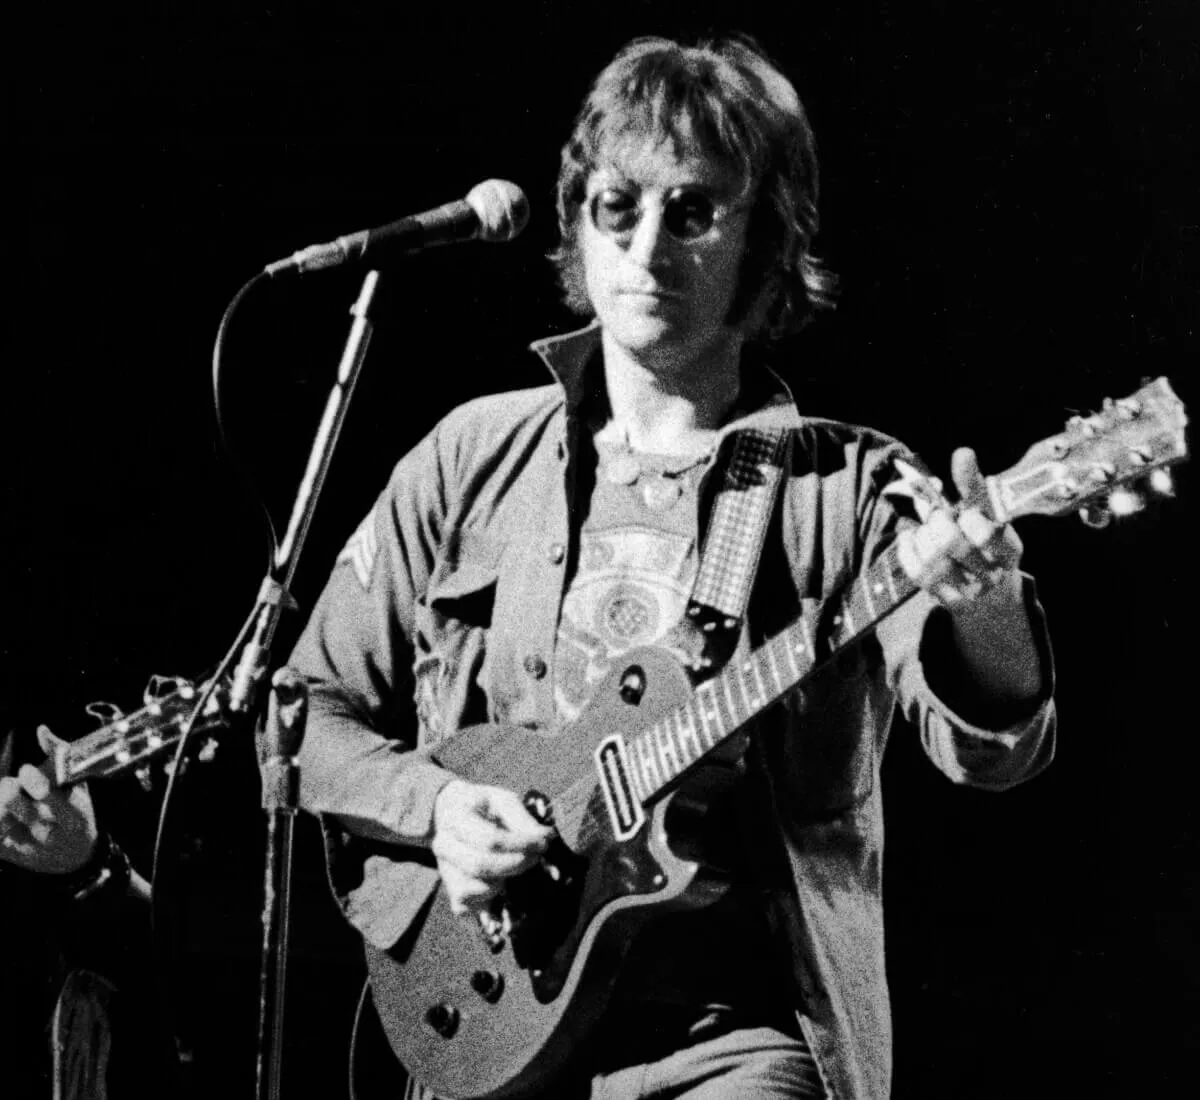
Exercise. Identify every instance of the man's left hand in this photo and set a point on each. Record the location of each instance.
(960, 557)
(42, 827)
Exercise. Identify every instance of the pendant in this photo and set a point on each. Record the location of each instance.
(621, 469)
(660, 493)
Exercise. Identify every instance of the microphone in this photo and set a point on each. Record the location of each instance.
(495, 210)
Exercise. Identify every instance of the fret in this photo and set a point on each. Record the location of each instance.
(635, 778)
(864, 586)
(645, 763)
(843, 623)
(686, 734)
(906, 585)
(790, 647)
(735, 718)
(743, 684)
(855, 614)
(798, 644)
(773, 661)
(708, 710)
(809, 649)
(668, 755)
(798, 667)
(755, 668)
(885, 564)
(877, 588)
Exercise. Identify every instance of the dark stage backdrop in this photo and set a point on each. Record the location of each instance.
(1009, 196)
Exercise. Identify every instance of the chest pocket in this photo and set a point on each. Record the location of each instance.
(452, 624)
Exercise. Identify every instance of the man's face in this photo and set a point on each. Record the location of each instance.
(662, 239)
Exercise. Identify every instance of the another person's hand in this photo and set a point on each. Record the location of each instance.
(482, 836)
(42, 827)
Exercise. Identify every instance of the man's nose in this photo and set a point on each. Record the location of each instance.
(650, 237)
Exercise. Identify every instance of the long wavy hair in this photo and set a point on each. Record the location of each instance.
(724, 99)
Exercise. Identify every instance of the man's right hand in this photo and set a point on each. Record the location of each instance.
(481, 836)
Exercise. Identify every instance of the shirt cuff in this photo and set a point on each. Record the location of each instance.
(965, 700)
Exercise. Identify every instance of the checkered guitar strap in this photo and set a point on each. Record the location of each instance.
(734, 540)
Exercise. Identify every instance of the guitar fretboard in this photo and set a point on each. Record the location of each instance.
(722, 705)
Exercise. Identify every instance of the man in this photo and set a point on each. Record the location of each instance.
(533, 537)
(75, 924)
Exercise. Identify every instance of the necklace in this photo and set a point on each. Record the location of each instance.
(659, 479)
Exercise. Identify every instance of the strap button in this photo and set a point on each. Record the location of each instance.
(556, 553)
(535, 666)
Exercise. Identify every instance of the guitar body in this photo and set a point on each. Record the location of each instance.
(473, 1016)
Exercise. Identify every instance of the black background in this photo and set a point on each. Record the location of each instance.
(1009, 197)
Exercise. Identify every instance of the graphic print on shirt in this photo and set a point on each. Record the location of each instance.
(631, 587)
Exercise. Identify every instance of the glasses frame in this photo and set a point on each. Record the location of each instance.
(719, 211)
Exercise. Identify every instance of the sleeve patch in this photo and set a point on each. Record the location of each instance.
(361, 551)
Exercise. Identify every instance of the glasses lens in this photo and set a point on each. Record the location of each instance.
(688, 215)
(615, 212)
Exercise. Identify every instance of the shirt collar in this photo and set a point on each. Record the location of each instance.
(765, 400)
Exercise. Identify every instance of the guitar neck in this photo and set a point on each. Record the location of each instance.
(138, 737)
(722, 705)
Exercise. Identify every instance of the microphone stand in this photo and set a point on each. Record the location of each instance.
(274, 594)
(280, 776)
(286, 717)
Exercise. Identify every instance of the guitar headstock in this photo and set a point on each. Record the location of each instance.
(131, 741)
(1099, 464)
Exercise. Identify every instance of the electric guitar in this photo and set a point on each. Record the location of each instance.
(494, 1008)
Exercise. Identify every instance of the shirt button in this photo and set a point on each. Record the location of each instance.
(557, 552)
(535, 666)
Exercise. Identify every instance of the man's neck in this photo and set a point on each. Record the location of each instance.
(669, 407)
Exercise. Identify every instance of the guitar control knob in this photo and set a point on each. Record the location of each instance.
(539, 808)
(489, 984)
(633, 685)
(443, 1018)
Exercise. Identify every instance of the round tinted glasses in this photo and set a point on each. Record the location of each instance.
(687, 214)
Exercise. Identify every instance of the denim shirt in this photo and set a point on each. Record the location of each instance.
(442, 612)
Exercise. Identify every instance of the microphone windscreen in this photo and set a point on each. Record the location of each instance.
(502, 209)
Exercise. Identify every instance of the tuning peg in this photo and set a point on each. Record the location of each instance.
(1126, 407)
(106, 713)
(159, 687)
(1095, 515)
(143, 777)
(1162, 483)
(207, 751)
(1101, 473)
(1086, 426)
(1125, 502)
